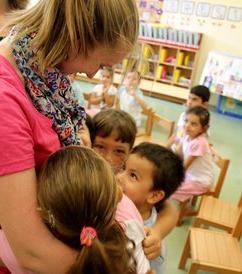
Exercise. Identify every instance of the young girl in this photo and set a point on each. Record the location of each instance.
(195, 151)
(130, 96)
(103, 94)
(79, 211)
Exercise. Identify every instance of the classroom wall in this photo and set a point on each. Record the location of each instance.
(221, 35)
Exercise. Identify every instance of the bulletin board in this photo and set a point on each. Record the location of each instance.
(222, 74)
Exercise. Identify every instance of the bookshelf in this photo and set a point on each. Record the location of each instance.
(167, 66)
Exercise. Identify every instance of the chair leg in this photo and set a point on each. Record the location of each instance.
(194, 200)
(193, 269)
(182, 212)
(185, 253)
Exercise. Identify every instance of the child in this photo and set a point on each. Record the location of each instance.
(103, 94)
(114, 136)
(199, 96)
(79, 210)
(130, 96)
(195, 151)
(151, 175)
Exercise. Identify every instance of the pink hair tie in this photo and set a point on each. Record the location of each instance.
(88, 233)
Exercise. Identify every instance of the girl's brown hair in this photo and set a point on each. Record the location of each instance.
(109, 121)
(69, 27)
(77, 188)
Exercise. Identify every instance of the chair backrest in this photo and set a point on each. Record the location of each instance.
(223, 164)
(237, 231)
(240, 201)
(147, 111)
(87, 96)
(165, 123)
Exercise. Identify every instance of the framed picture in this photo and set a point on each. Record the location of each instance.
(218, 12)
(171, 6)
(235, 14)
(187, 7)
(203, 9)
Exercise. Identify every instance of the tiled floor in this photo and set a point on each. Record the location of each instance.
(226, 136)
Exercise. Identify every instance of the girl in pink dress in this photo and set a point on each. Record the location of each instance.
(196, 153)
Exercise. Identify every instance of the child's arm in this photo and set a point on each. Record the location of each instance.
(166, 221)
(94, 99)
(189, 161)
(171, 141)
(137, 98)
(32, 243)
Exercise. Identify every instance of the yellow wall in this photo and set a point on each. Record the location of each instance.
(222, 35)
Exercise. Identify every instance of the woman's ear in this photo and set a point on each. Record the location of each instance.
(155, 196)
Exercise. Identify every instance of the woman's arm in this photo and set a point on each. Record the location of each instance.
(32, 243)
(166, 221)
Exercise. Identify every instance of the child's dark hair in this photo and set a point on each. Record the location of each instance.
(168, 171)
(201, 91)
(115, 121)
(202, 113)
(90, 126)
(77, 189)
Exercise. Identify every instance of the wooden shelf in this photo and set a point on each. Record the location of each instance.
(152, 52)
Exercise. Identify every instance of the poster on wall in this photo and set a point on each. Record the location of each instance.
(222, 74)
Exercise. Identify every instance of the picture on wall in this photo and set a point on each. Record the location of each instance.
(222, 74)
(219, 12)
(203, 9)
(187, 7)
(235, 14)
(171, 6)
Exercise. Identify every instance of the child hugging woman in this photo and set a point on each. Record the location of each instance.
(77, 200)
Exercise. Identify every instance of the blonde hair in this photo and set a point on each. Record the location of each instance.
(76, 188)
(69, 27)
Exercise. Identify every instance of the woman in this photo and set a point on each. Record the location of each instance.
(39, 115)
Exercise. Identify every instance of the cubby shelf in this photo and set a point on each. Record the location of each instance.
(167, 70)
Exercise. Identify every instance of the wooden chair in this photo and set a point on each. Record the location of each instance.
(218, 213)
(162, 122)
(147, 113)
(214, 251)
(222, 164)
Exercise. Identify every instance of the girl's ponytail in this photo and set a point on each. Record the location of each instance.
(106, 253)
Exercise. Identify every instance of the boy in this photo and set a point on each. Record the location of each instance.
(151, 175)
(113, 137)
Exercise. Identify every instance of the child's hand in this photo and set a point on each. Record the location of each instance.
(151, 271)
(152, 243)
(84, 135)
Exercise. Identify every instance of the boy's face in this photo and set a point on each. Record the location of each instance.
(113, 151)
(195, 101)
(137, 179)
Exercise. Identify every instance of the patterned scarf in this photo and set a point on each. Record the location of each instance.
(50, 92)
